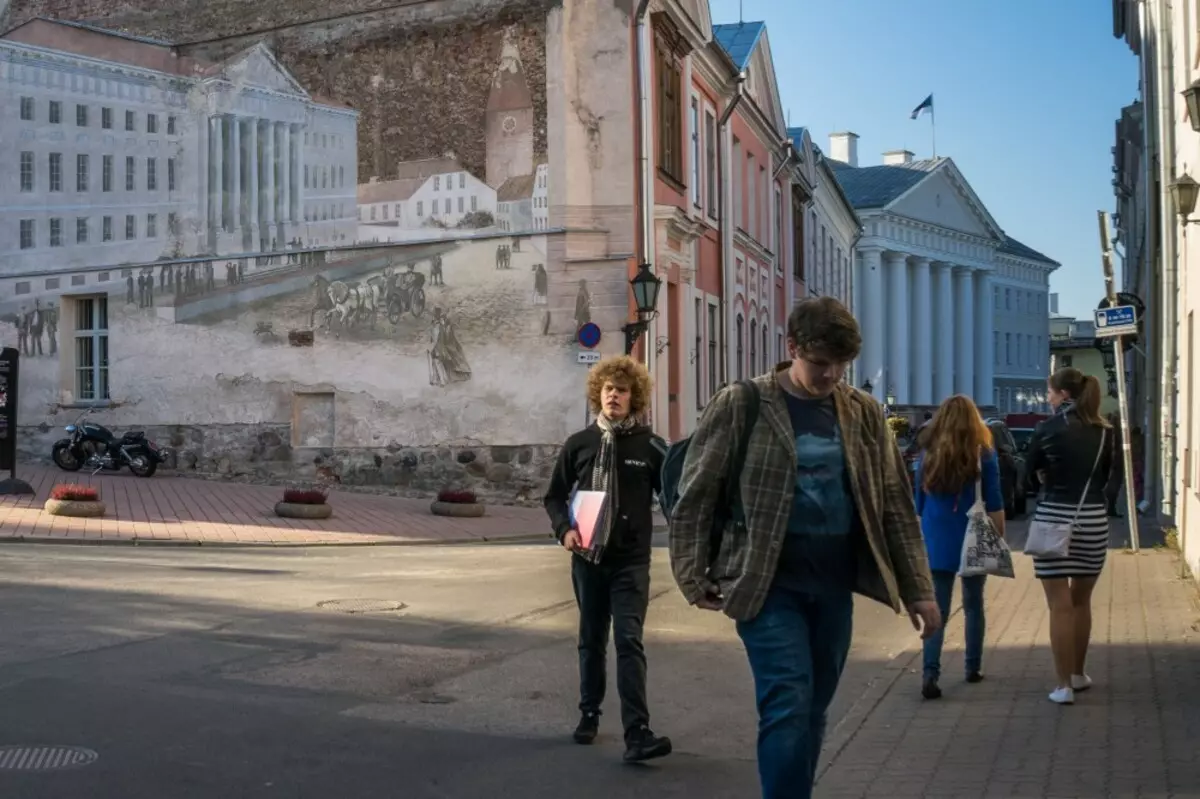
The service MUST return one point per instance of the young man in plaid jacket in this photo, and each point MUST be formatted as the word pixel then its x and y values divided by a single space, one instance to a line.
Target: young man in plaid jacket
pixel 828 512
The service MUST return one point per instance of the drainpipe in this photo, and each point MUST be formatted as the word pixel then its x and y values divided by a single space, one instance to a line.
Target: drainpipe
pixel 646 186
pixel 726 202
pixel 1169 338
pixel 1149 282
pixel 789 160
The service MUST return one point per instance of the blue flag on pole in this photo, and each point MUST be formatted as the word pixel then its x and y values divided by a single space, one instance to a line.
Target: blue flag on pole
pixel 926 105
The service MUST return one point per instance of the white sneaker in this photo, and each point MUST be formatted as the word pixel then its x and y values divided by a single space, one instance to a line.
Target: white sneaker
pixel 1081 682
pixel 1063 696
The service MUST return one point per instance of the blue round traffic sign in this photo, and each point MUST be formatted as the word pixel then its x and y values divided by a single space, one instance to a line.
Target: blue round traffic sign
pixel 588 335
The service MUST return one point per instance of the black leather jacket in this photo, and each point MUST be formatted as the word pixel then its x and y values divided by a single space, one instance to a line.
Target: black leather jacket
pixel 1065 448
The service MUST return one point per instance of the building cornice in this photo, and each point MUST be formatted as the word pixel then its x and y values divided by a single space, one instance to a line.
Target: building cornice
pixel 752 248
pixel 891 231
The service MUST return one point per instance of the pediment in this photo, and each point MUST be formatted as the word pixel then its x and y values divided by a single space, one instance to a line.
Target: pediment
pixel 697 11
pixel 258 67
pixel 945 199
pixel 762 83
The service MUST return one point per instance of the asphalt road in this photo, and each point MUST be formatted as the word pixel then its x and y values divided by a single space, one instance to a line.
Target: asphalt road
pixel 209 673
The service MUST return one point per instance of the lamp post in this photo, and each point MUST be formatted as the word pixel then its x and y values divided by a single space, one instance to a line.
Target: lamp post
pixel 890 399
pixel 645 297
pixel 1191 97
pixel 867 387
pixel 1184 191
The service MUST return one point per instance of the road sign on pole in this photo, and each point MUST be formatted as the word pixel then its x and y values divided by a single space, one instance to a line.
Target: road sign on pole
pixel 1123 316
pixel 1119 320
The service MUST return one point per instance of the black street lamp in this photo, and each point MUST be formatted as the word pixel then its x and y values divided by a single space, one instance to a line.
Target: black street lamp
pixel 867 387
pixel 1110 359
pixel 645 287
pixel 1191 96
pixel 890 399
pixel 1184 191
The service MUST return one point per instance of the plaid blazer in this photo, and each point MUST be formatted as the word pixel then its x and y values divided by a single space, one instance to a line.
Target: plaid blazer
pixel 892 567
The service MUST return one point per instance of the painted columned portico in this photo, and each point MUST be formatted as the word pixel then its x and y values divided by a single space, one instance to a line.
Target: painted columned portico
pixel 944 343
pixel 268 172
pixel 285 173
pixel 985 357
pixel 922 305
pixel 964 336
pixel 216 194
pixel 873 319
pixel 898 337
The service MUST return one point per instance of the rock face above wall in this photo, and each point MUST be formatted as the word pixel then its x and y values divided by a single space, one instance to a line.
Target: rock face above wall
pixel 262 453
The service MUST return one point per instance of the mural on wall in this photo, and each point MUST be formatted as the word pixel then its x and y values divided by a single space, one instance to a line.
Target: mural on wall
pixel 352 248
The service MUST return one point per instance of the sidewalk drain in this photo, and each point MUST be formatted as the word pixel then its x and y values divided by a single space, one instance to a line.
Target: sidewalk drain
pixel 44 758
pixel 362 605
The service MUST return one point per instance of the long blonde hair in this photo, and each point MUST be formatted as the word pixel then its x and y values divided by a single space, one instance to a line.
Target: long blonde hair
pixel 953 441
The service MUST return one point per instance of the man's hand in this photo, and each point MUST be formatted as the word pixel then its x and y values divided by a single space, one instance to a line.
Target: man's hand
pixel 711 602
pixel 572 541
pixel 926 618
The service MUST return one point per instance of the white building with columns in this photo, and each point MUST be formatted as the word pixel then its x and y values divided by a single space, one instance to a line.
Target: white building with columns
pixel 124 151
pixel 927 263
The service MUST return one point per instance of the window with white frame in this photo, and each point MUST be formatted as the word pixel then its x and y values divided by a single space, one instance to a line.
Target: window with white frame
pixel 151 174
pixel 130 227
pixel 741 371
pixel 751 222
pixel 27 171
pixel 130 173
pixel 91 349
pixel 27 234
pixel 712 349
pixel 106 118
pixel 56 232
pixel 56 171
pixel 698 355
pixel 106 229
pixel 55 112
pixel 81 230
pixel 766 348
pixel 81 172
pixel 710 162
pixel 753 346
pixel 27 109
pixel 106 173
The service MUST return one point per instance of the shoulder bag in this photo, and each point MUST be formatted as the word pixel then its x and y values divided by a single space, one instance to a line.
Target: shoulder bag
pixel 984 551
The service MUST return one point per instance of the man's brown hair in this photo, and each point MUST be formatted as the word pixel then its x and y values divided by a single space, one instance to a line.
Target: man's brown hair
pixel 823 326
pixel 620 370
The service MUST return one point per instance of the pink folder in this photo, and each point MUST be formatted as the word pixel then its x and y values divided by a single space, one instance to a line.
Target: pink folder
pixel 586 509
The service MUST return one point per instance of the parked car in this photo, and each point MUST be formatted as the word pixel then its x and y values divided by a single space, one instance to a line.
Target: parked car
pixel 1012 469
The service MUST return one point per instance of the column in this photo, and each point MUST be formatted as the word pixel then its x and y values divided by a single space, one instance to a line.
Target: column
pixel 203 201
pixel 235 173
pixel 252 174
pixel 922 373
pixel 898 339
pixel 216 194
pixel 964 343
pixel 285 174
pixel 985 356
pixel 268 175
pixel 943 345
pixel 299 183
pixel 873 319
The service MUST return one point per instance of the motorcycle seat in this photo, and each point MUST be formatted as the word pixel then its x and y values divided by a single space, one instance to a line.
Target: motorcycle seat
pixel 134 435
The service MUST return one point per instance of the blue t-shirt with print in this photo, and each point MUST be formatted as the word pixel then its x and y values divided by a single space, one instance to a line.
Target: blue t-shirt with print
pixel 818 552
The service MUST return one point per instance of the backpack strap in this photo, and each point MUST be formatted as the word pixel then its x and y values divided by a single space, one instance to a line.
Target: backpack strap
pixel 733 488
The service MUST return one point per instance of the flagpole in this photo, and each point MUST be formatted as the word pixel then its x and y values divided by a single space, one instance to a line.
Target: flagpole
pixel 933 130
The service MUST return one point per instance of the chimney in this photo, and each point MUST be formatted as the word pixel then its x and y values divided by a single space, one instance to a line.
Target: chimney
pixel 844 147
pixel 1054 303
pixel 897 157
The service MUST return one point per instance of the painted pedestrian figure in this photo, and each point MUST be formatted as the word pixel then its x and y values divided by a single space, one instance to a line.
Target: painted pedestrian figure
pixel 583 305
pixel 435 272
pixel 52 328
pixel 129 288
pixel 447 362
pixel 541 284
pixel 23 331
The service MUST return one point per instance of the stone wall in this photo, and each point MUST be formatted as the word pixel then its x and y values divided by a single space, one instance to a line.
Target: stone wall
pixel 262 453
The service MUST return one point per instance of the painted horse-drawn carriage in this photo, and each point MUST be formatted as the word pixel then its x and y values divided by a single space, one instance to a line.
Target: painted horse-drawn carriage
pixel 350 302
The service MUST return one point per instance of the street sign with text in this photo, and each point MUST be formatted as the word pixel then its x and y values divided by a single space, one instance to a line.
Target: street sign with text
pixel 1120 320
pixel 589 357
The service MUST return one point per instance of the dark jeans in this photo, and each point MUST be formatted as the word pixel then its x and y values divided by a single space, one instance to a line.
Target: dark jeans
pixel 615 596
pixel 797 646
pixel 972 600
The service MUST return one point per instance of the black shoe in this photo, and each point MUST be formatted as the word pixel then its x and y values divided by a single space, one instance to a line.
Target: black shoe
pixel 642 745
pixel 930 689
pixel 589 725
pixel 974 676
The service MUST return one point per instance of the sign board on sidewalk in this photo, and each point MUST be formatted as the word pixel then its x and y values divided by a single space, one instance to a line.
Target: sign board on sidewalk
pixel 8 407
pixel 1120 320
pixel 589 357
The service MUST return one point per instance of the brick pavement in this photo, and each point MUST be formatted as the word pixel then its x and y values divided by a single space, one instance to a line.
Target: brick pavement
pixel 176 510
pixel 1136 733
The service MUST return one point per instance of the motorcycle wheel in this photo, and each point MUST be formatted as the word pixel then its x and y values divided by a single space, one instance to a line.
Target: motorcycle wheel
pixel 394 311
pixel 64 458
pixel 142 466
pixel 418 302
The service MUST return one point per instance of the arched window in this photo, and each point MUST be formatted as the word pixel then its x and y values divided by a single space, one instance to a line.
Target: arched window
pixel 753 347
pixel 740 370
pixel 766 350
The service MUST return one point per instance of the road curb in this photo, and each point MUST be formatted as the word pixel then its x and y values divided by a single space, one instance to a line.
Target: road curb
pixel 168 543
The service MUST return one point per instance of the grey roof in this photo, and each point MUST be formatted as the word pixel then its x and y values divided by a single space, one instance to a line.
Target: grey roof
pixel 1014 247
pixel 877 186
pixel 739 39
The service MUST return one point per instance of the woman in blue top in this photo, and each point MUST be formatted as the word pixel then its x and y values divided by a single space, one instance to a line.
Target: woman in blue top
pixel 956 446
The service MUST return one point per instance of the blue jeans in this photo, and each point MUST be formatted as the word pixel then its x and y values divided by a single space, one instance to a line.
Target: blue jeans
pixel 797 647
pixel 972 600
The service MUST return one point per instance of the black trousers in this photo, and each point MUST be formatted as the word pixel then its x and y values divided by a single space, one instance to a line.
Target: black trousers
pixel 614 596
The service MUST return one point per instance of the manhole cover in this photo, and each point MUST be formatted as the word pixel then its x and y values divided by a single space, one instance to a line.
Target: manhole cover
pixel 362 605
pixel 44 758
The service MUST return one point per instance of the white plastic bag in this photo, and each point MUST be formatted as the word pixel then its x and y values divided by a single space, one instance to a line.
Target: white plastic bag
pixel 984 551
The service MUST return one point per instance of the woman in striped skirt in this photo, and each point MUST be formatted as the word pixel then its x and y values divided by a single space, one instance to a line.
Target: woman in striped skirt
pixel 1071 455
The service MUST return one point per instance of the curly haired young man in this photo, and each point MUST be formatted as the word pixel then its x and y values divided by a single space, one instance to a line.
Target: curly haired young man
pixel 621 457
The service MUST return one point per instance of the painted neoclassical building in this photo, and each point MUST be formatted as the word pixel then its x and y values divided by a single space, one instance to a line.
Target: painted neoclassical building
pixel 933 269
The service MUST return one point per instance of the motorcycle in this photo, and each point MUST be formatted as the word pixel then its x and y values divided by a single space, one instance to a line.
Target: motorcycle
pixel 94 445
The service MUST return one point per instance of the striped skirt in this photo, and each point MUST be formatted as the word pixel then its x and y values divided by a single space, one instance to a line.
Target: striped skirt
pixel 1089 541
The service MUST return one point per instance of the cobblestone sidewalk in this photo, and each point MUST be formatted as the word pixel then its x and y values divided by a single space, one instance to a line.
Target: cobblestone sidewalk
pixel 177 510
pixel 1136 733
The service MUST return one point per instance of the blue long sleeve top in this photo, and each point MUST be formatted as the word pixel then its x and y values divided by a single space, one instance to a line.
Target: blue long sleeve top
pixel 944 516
